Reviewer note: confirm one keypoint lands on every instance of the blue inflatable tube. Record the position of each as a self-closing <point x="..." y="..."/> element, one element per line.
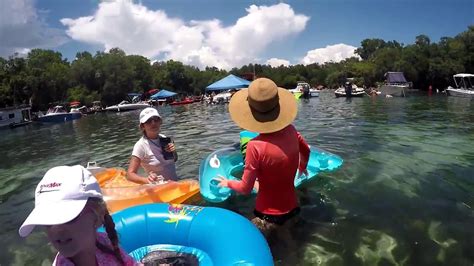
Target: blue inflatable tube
<point x="229" y="163"/>
<point x="214" y="236"/>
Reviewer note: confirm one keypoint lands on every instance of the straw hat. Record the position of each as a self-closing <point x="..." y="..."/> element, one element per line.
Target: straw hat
<point x="263" y="107"/>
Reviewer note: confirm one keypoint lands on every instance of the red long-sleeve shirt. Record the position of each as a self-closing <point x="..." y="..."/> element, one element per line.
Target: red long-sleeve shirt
<point x="273" y="158"/>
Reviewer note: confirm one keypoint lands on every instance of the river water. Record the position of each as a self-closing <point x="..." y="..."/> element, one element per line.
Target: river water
<point x="404" y="196"/>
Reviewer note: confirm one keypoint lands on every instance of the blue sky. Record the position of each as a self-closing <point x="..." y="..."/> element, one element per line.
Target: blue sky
<point x="225" y="33"/>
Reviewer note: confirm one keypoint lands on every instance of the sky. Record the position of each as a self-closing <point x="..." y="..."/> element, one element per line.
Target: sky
<point x="225" y="33"/>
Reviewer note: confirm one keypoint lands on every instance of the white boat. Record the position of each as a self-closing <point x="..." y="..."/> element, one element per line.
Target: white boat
<point x="127" y="106"/>
<point x="356" y="92"/>
<point x="314" y="92"/>
<point x="82" y="109"/>
<point x="305" y="89"/>
<point x="221" y="98"/>
<point x="464" y="87"/>
<point x="15" y="116"/>
<point x="58" y="114"/>
<point x="395" y="84"/>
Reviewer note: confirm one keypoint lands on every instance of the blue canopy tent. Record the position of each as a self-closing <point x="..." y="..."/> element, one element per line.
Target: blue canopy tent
<point x="229" y="82"/>
<point x="163" y="94"/>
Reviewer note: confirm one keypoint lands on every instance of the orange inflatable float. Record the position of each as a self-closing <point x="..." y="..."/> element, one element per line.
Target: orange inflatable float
<point x="119" y="193"/>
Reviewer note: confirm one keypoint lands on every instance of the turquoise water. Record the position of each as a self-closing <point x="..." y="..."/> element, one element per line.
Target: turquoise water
<point x="404" y="196"/>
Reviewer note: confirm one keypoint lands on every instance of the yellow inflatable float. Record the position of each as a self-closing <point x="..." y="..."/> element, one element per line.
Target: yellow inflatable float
<point x="119" y="193"/>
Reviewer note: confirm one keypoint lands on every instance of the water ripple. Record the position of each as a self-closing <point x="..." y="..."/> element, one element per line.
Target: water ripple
<point x="405" y="194"/>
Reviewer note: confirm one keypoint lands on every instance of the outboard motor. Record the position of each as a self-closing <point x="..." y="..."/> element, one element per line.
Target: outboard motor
<point x="348" y="89"/>
<point x="305" y="92"/>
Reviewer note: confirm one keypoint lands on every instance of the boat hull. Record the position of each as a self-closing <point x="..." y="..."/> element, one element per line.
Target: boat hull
<point x="20" y="124"/>
<point x="127" y="107"/>
<point x="58" y="118"/>
<point x="461" y="93"/>
<point x="354" y="94"/>
<point x="394" y="90"/>
<point x="341" y="92"/>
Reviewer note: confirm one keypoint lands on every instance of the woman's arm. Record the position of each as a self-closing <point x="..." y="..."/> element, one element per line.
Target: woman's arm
<point x="249" y="177"/>
<point x="304" y="152"/>
<point x="132" y="172"/>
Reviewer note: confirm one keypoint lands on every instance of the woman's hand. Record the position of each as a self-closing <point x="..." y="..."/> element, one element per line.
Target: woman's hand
<point x="170" y="147"/>
<point x="223" y="182"/>
<point x="153" y="178"/>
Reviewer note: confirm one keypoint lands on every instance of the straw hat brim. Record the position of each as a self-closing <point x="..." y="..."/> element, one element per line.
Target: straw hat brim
<point x="247" y="118"/>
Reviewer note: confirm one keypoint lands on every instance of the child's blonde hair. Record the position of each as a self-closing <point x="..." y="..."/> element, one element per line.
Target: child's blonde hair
<point x="100" y="209"/>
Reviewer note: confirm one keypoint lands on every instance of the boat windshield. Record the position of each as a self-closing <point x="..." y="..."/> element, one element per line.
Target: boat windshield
<point x="464" y="81"/>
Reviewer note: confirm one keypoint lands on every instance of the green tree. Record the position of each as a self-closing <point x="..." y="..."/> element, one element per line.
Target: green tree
<point x="48" y="77"/>
<point x="369" y="47"/>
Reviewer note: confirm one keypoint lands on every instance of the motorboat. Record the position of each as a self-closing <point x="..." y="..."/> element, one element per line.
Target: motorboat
<point x="220" y="98"/>
<point x="305" y="89"/>
<point x="356" y="92"/>
<point x="395" y="84"/>
<point x="124" y="106"/>
<point x="77" y="109"/>
<point x="58" y="114"/>
<point x="15" y="116"/>
<point x="314" y="92"/>
<point x="464" y="86"/>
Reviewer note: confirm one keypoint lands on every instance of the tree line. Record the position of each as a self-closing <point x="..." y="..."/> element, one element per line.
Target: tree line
<point x="43" y="77"/>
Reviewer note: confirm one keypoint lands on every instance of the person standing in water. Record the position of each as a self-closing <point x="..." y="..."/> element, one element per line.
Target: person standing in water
<point x="155" y="152"/>
<point x="274" y="156"/>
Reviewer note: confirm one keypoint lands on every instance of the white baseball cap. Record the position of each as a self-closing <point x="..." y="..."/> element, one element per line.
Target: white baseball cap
<point x="60" y="197"/>
<point x="147" y="113"/>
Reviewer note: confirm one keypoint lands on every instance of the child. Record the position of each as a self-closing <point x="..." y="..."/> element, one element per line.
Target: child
<point x="69" y="205"/>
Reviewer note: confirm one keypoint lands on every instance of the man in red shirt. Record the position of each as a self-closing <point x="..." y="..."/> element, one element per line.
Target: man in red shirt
<point x="273" y="156"/>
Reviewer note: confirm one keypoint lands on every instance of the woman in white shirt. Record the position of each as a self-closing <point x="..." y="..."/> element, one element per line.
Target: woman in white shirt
<point x="153" y="151"/>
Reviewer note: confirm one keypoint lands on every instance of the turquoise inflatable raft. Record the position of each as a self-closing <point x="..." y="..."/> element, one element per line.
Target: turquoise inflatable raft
<point x="229" y="162"/>
<point x="167" y="234"/>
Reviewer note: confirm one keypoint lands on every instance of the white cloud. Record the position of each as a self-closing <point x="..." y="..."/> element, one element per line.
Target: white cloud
<point x="22" y="28"/>
<point x="152" y="33"/>
<point x="334" y="53"/>
<point x="276" y="62"/>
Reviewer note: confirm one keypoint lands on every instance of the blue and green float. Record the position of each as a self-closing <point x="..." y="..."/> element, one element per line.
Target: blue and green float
<point x="229" y="163"/>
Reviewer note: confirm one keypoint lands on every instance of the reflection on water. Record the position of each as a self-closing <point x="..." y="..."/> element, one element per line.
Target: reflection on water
<point x="404" y="196"/>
